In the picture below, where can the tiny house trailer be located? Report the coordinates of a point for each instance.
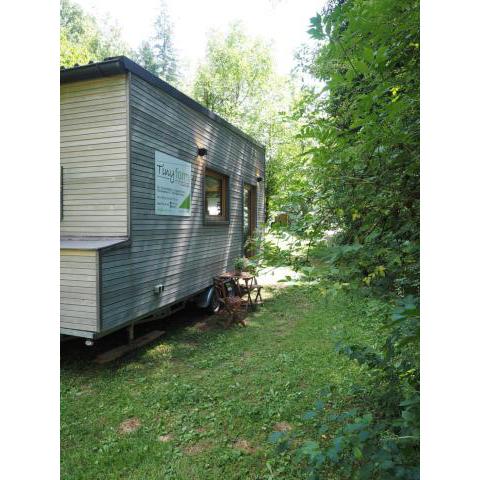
(158, 195)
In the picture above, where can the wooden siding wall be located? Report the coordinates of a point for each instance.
(181, 253)
(78, 289)
(93, 116)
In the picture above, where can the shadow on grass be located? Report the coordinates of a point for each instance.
(186, 328)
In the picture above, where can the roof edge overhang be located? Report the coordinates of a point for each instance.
(117, 65)
(91, 243)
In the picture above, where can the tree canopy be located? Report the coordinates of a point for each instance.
(158, 54)
(236, 77)
(84, 38)
(238, 81)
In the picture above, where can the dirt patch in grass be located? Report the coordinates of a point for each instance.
(129, 426)
(244, 446)
(86, 391)
(197, 448)
(165, 438)
(282, 427)
(204, 326)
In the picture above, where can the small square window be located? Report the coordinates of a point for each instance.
(216, 194)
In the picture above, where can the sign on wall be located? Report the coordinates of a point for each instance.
(173, 185)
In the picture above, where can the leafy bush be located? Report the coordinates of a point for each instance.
(274, 248)
(239, 263)
(359, 174)
(358, 182)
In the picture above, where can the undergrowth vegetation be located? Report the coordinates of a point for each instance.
(379, 437)
(352, 213)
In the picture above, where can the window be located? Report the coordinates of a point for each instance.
(216, 191)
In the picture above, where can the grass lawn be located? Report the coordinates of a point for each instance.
(201, 401)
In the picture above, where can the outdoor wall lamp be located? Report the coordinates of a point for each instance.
(202, 152)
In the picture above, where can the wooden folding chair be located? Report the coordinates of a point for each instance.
(232, 304)
(257, 288)
(251, 285)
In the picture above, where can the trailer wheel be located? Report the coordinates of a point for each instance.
(214, 306)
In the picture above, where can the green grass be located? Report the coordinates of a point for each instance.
(217, 394)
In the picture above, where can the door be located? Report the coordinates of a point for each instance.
(249, 217)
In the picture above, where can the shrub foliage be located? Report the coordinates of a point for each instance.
(360, 173)
(360, 179)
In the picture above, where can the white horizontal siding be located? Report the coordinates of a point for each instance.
(94, 156)
(78, 289)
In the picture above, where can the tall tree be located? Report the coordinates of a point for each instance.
(234, 78)
(73, 20)
(237, 81)
(158, 54)
(145, 56)
(84, 38)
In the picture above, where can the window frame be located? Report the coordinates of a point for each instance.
(225, 179)
(253, 214)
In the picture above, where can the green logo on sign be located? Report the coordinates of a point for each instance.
(185, 203)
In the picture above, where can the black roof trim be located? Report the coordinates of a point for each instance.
(121, 64)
